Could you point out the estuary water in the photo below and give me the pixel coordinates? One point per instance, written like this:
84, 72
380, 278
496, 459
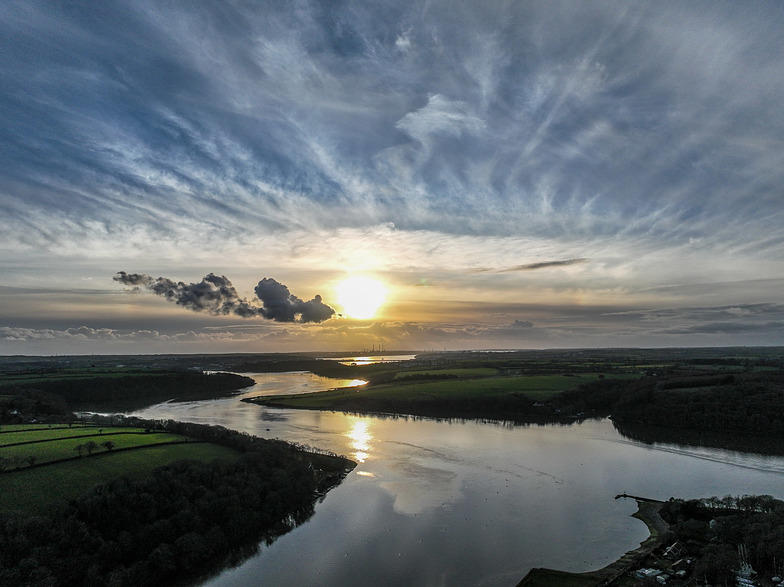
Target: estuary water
463, 502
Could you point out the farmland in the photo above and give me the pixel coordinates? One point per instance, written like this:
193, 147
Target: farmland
462, 392
536, 386
146, 502
72, 374
42, 464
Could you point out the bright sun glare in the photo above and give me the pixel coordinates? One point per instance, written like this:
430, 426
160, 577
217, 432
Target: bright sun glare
360, 296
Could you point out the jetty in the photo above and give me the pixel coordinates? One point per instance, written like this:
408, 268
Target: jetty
637, 498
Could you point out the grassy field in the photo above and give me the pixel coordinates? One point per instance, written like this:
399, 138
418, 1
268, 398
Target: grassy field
30, 489
457, 372
71, 374
11, 428
535, 387
65, 448
12, 433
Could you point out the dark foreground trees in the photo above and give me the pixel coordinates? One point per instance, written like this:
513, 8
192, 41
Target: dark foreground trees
713, 529
178, 522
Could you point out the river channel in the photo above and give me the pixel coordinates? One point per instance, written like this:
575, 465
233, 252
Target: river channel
465, 503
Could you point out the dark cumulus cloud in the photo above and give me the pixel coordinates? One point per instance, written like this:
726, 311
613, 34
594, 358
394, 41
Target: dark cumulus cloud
216, 295
283, 306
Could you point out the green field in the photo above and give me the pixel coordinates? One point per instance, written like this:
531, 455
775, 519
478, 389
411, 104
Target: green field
12, 433
72, 374
535, 387
30, 490
11, 428
136, 452
65, 448
458, 372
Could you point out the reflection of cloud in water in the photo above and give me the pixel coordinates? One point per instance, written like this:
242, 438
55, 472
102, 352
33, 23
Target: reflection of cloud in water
422, 449
272, 416
470, 462
527, 470
419, 487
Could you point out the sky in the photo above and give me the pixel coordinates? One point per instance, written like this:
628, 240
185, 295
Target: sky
196, 176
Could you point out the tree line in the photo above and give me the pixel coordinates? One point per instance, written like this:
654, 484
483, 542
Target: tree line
125, 392
747, 402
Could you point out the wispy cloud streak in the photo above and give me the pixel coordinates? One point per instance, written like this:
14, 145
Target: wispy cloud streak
543, 265
274, 117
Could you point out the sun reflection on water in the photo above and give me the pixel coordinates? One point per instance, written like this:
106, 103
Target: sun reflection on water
360, 440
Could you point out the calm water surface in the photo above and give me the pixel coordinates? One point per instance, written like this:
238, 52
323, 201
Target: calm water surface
372, 359
465, 503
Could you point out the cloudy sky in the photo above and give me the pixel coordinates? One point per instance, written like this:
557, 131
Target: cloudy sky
516, 174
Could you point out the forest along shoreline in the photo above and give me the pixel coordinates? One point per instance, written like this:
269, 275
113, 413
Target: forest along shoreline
216, 495
43, 391
713, 397
735, 391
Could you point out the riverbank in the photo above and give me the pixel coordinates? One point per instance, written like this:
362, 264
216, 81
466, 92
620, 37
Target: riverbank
446, 393
648, 513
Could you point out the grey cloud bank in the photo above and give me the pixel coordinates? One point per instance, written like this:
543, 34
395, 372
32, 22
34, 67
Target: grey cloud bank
584, 327
217, 295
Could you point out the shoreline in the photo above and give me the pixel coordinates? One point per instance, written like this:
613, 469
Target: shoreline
430, 414
648, 513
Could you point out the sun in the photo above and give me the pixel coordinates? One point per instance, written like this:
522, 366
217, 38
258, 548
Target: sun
361, 296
